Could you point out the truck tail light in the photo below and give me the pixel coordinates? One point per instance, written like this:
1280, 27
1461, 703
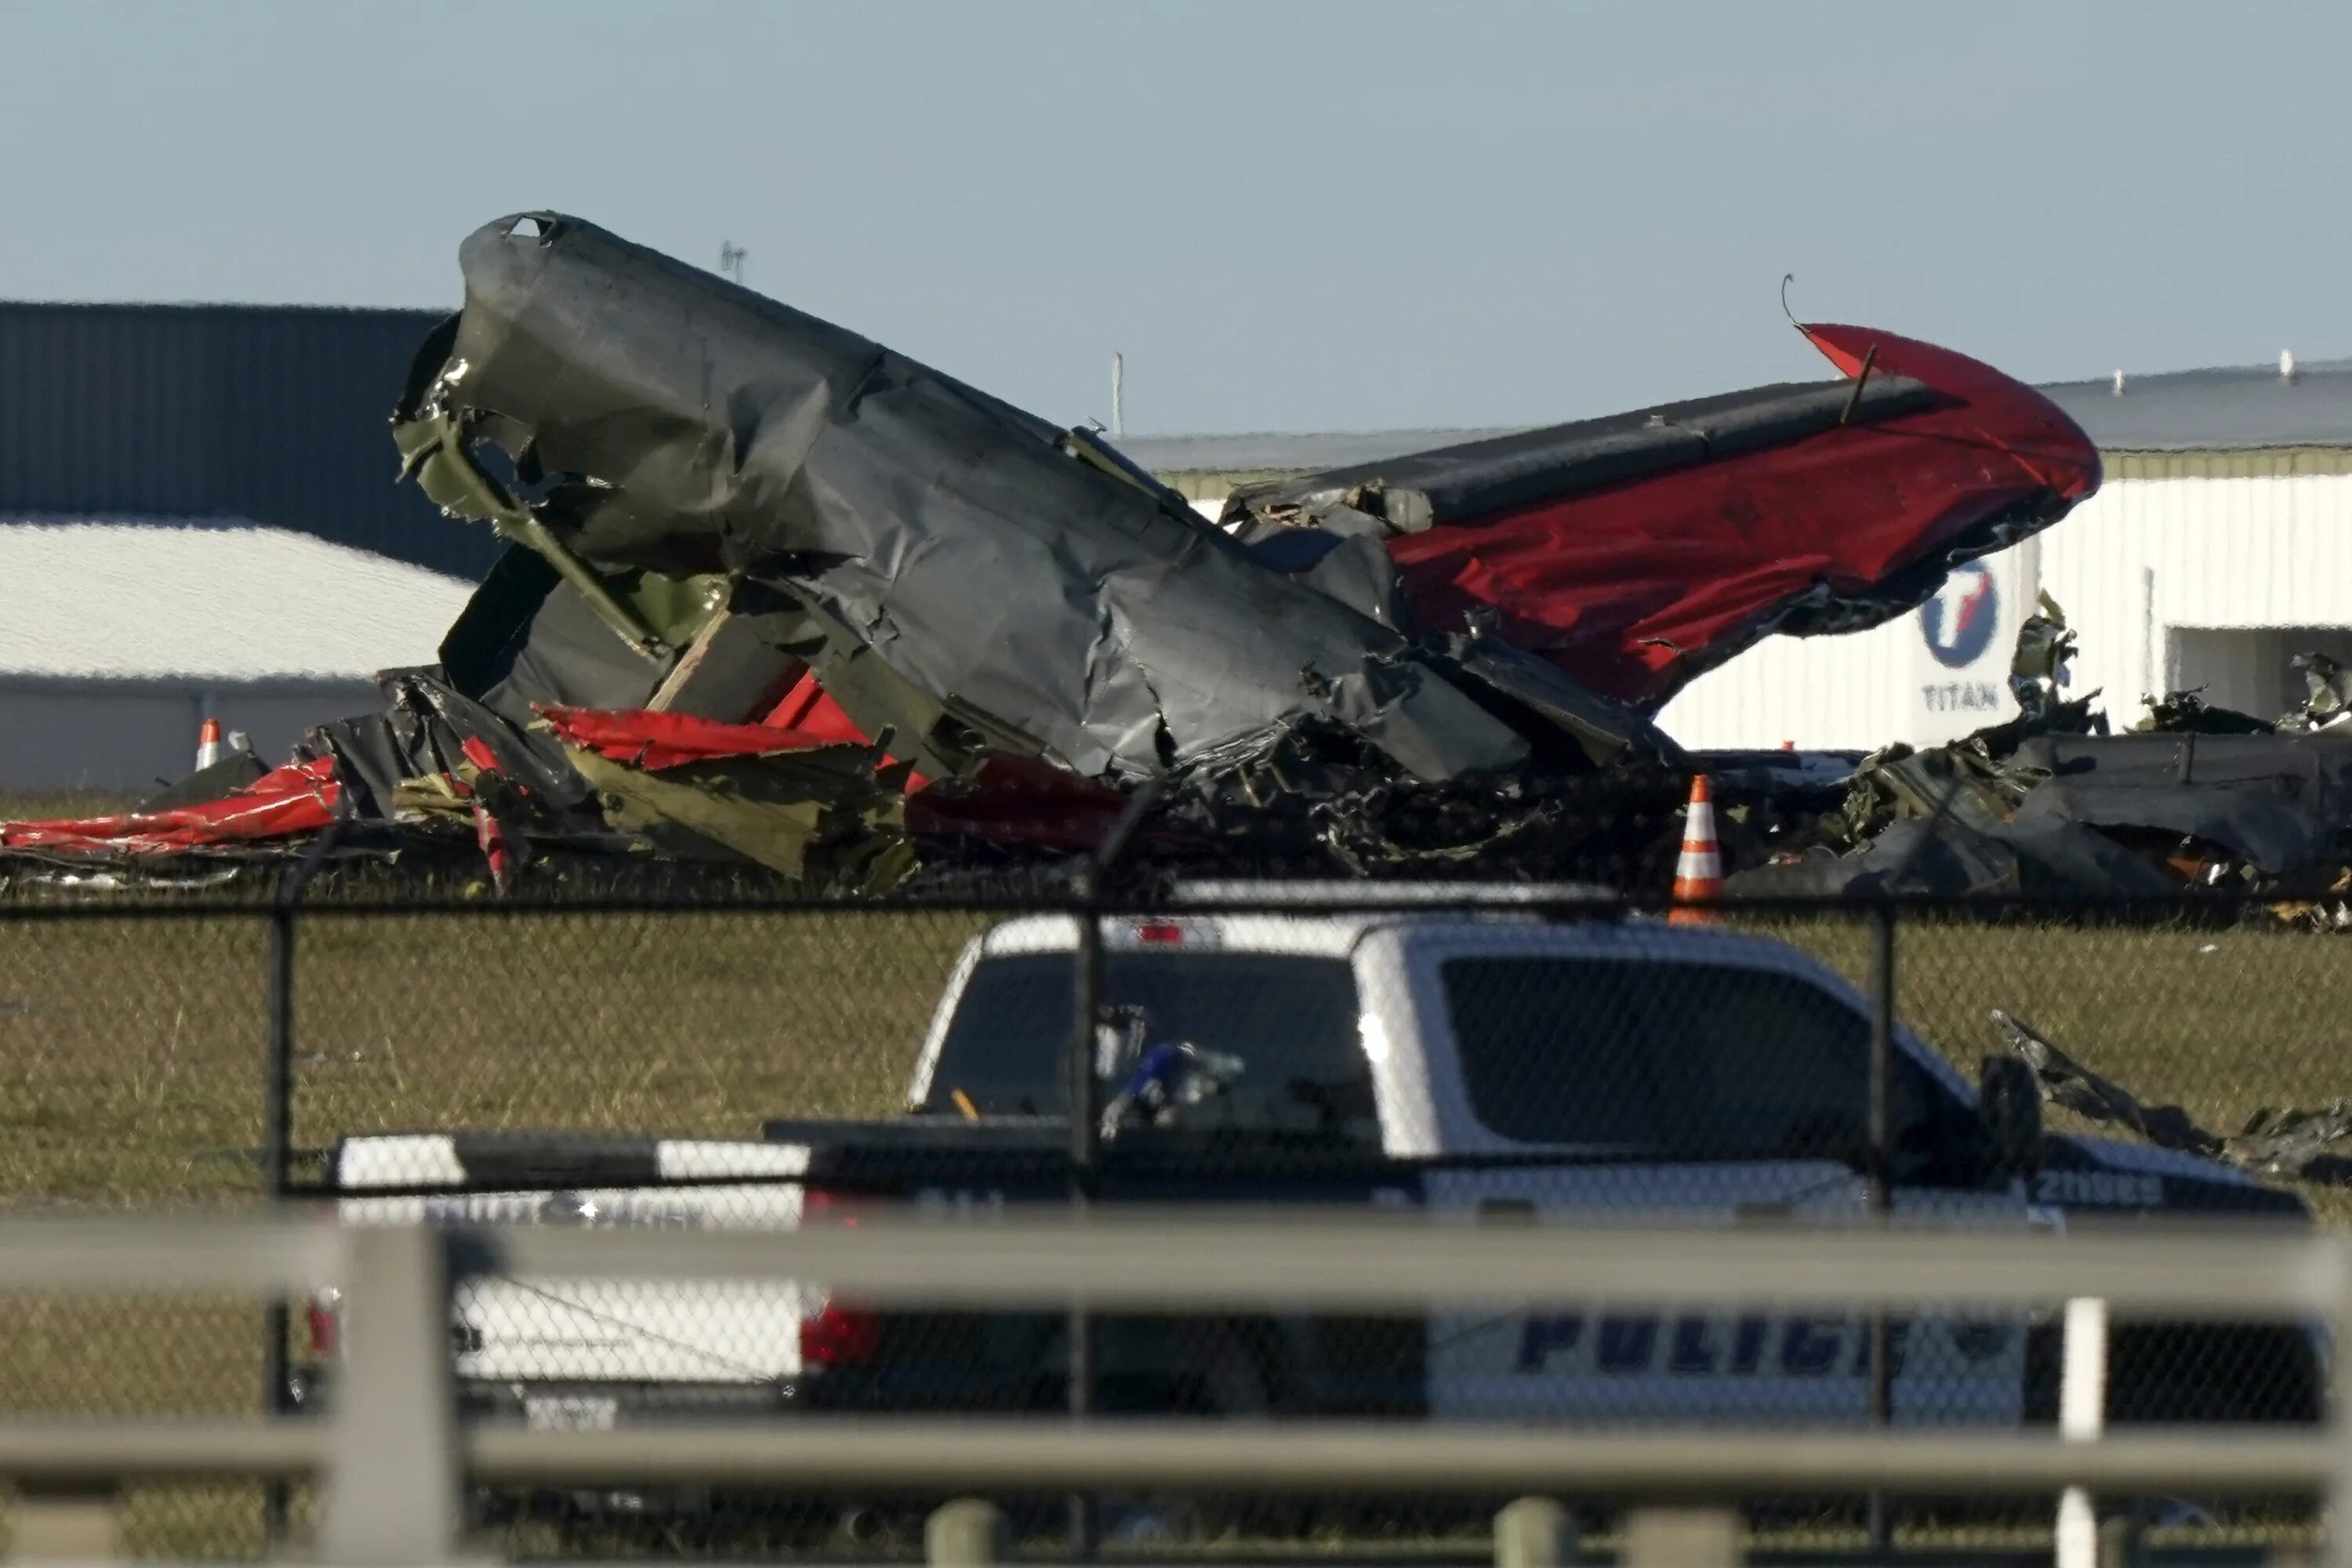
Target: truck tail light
819, 1207
322, 1315
835, 1335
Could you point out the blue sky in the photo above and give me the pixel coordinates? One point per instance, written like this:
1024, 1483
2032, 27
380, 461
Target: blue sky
1347, 216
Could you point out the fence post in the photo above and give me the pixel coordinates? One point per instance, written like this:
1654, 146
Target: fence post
1882, 1186
1086, 880
276, 1323
278, 1129
1535, 1532
1681, 1538
1085, 1152
2081, 1417
65, 1524
966, 1534
2338, 1550
393, 1475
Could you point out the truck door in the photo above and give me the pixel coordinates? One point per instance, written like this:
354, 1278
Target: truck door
1693, 1092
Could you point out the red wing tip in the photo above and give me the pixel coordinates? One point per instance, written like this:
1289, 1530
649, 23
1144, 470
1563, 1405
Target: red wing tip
1834, 342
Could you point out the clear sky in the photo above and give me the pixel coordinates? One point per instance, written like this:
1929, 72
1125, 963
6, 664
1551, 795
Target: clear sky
1348, 215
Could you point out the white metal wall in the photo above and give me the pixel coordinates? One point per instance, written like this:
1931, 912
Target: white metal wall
2145, 571
117, 738
2144, 557
1861, 691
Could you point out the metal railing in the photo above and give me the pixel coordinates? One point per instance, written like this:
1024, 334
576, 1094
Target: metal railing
395, 1460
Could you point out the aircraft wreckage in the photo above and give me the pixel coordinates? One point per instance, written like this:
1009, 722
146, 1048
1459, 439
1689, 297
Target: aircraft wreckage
776, 595
2052, 802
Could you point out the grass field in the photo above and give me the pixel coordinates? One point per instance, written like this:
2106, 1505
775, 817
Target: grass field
135, 1058
136, 1045
135, 1070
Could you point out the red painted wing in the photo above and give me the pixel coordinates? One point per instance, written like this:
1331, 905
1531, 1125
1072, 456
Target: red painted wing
1636, 587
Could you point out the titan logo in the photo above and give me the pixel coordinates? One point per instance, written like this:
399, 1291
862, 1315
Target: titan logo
1958, 623
1960, 697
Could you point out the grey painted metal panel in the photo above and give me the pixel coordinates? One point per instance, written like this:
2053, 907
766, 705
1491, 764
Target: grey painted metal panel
276, 413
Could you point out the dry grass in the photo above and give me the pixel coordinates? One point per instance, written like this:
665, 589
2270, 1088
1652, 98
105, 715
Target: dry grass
135, 1052
33, 805
2220, 1022
691, 1025
138, 1047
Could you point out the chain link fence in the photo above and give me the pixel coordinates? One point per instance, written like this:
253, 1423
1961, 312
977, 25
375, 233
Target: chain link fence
1495, 1055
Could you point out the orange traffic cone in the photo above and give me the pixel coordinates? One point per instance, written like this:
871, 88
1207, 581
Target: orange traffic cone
1699, 873
209, 749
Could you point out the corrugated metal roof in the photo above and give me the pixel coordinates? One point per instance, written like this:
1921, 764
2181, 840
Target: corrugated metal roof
276, 413
228, 600
2224, 410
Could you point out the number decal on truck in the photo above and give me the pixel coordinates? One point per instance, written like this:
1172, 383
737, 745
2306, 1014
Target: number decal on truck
2105, 1189
1620, 1344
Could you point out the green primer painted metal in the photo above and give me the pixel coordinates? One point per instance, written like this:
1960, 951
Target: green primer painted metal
823, 815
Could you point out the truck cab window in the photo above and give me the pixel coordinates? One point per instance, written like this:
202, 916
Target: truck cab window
1291, 1021
1707, 1061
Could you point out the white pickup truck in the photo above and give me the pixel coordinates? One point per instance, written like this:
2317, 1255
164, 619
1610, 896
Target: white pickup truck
1505, 1066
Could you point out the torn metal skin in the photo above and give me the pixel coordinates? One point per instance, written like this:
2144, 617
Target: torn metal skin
2329, 702
2328, 705
829, 817
1018, 592
2065, 1081
2051, 803
2297, 1143
2037, 671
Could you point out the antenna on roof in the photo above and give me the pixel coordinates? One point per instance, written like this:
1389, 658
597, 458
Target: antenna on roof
2286, 364
730, 261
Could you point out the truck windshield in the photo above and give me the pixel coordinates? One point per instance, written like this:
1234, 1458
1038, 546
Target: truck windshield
1291, 1021
1705, 1060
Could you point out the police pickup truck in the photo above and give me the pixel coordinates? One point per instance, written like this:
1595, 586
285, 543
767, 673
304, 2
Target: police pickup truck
1503, 1067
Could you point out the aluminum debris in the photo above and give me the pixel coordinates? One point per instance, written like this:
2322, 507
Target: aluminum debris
2296, 1142
2051, 802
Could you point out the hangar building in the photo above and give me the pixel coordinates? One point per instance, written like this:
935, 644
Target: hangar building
140, 630
198, 517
